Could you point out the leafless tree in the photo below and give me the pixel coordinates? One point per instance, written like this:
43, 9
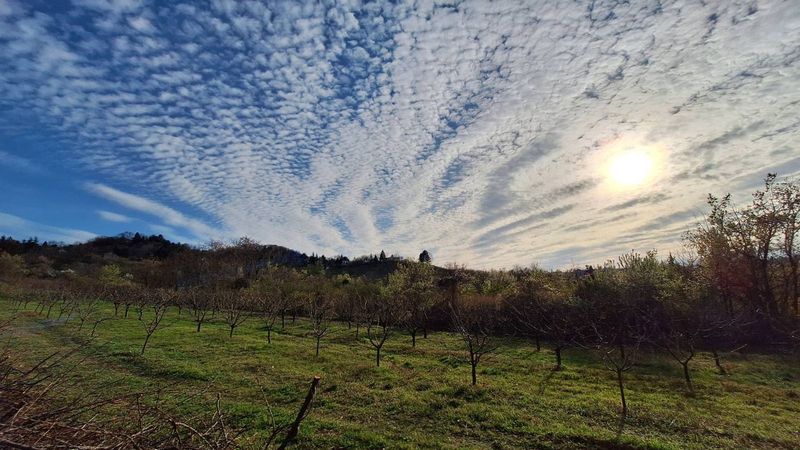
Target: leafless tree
234, 306
544, 306
381, 315
474, 318
87, 306
269, 301
199, 303
319, 303
66, 304
159, 304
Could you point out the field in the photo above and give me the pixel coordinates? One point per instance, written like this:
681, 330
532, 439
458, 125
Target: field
421, 397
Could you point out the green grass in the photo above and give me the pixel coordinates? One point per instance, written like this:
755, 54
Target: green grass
421, 397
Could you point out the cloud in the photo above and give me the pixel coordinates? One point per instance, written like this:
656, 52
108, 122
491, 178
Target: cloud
19, 164
15, 225
169, 215
408, 125
114, 217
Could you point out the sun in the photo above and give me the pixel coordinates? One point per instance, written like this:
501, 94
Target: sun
631, 167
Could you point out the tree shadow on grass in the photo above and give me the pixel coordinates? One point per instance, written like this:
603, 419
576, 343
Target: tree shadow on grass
545, 381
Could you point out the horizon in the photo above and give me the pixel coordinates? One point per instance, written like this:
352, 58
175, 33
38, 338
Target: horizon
491, 134
232, 243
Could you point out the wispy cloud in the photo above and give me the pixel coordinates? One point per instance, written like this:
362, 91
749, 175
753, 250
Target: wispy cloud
114, 217
15, 225
168, 215
19, 163
479, 129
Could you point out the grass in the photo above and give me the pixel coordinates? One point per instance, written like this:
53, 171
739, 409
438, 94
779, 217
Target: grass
421, 398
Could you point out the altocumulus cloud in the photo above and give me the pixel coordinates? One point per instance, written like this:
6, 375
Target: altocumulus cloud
475, 129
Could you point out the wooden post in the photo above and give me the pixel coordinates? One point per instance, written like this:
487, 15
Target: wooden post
295, 427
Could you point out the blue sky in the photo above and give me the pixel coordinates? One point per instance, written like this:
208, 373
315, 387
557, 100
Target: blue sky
481, 131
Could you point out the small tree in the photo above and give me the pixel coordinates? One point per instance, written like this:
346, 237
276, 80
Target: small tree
87, 306
381, 313
620, 306
234, 307
112, 281
199, 303
474, 318
319, 304
544, 306
269, 299
66, 303
412, 288
159, 303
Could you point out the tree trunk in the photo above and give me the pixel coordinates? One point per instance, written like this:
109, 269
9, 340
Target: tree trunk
721, 369
538, 344
425, 332
378, 356
126, 310
357, 326
147, 338
317, 354
231, 334
269, 335
295, 427
622, 393
794, 285
414, 339
474, 365
199, 322
558, 358
686, 376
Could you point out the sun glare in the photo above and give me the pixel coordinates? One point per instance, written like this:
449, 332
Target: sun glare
631, 167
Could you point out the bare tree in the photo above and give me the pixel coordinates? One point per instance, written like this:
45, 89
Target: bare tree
619, 304
87, 307
199, 303
66, 304
319, 304
234, 307
381, 314
160, 301
474, 318
544, 306
112, 279
269, 299
50, 298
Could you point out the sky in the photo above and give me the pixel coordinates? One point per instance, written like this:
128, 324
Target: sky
484, 132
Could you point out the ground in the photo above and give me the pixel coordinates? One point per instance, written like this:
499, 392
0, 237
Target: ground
421, 397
